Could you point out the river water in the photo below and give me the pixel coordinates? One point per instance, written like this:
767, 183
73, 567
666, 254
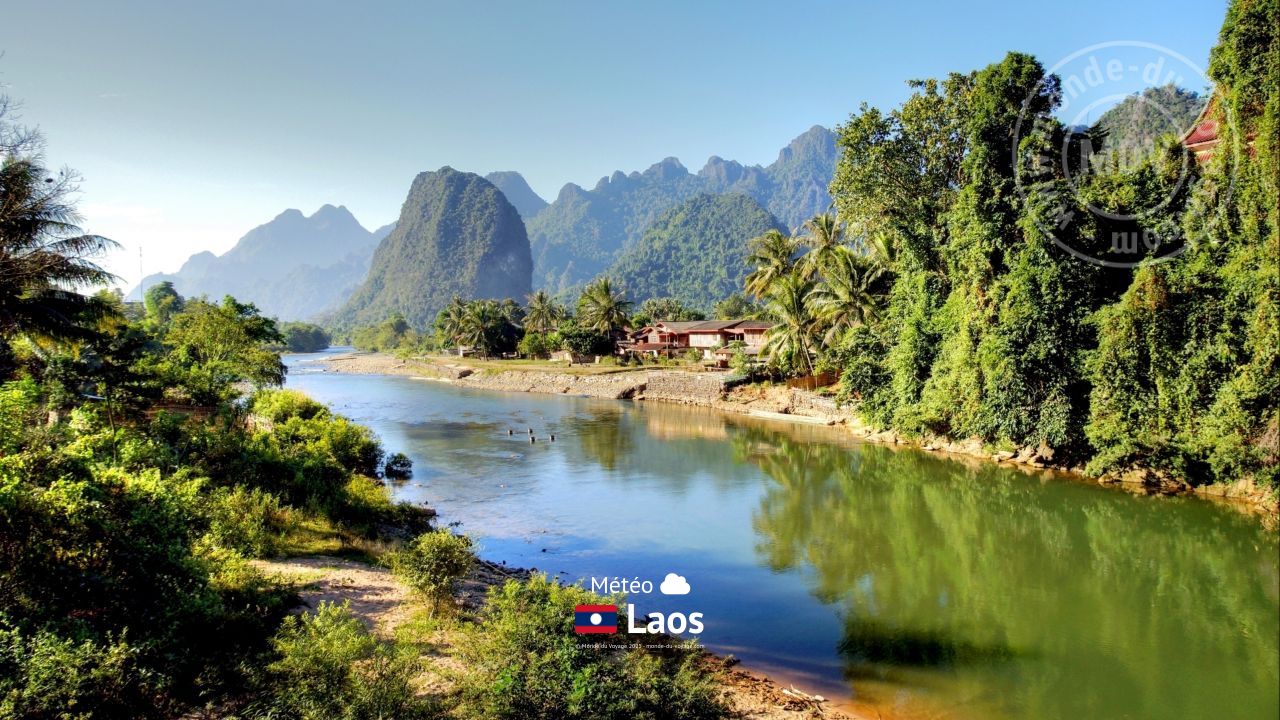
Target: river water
906, 584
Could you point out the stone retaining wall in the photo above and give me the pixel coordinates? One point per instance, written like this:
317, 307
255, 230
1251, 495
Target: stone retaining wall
689, 388
617, 386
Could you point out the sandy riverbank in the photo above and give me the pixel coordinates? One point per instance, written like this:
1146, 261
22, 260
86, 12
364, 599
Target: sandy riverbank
777, 402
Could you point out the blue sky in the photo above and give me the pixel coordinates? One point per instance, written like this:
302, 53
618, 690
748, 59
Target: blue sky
191, 123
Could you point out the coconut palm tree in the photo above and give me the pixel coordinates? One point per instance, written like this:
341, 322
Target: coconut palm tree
773, 255
846, 297
543, 313
449, 323
482, 324
602, 307
823, 235
45, 256
793, 331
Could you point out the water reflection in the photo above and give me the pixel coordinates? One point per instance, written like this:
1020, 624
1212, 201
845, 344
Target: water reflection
1066, 601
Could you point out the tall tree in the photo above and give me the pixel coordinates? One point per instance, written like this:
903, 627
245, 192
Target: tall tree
44, 255
543, 313
162, 302
847, 296
823, 236
773, 256
790, 342
602, 307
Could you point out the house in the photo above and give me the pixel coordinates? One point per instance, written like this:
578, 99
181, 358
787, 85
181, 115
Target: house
1202, 138
710, 337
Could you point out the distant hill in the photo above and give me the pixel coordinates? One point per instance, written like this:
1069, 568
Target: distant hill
583, 231
293, 267
457, 235
512, 184
1133, 125
695, 251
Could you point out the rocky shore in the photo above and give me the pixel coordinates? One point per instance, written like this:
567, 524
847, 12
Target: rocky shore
709, 389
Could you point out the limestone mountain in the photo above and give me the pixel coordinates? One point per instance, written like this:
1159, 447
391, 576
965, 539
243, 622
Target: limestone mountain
1133, 125
696, 251
512, 184
457, 235
293, 267
583, 231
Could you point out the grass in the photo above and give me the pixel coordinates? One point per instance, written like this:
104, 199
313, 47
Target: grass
319, 536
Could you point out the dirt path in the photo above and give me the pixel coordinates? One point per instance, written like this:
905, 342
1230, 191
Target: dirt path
383, 603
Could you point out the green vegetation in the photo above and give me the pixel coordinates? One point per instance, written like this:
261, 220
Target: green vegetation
956, 315
330, 666
457, 236
300, 337
693, 252
433, 563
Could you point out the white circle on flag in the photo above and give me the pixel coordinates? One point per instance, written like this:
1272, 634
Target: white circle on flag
596, 618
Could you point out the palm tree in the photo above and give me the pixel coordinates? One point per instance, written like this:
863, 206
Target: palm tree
481, 325
823, 234
543, 313
793, 330
450, 320
602, 307
846, 297
45, 256
773, 255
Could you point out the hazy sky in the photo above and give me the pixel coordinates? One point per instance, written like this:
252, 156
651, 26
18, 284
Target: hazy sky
193, 122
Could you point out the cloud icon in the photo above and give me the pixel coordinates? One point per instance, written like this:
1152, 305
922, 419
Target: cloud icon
674, 584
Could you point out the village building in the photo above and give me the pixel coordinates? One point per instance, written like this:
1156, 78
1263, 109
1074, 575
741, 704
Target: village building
712, 338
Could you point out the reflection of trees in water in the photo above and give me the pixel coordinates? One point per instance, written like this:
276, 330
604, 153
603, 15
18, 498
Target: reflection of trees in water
1102, 602
667, 444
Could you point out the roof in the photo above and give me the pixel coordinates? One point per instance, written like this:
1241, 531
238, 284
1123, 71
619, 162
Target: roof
712, 326
1202, 138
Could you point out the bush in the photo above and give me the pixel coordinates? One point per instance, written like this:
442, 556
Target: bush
44, 675
434, 562
398, 466
536, 345
280, 405
250, 521
526, 662
330, 667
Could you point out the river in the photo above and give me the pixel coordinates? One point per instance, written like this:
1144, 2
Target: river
907, 584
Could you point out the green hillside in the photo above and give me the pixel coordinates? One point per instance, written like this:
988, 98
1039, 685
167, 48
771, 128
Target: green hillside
695, 252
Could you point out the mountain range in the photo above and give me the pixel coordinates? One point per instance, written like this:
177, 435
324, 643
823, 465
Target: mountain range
303, 267
294, 266
583, 231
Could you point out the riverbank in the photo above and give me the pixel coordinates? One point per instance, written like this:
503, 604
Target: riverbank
390, 610
707, 389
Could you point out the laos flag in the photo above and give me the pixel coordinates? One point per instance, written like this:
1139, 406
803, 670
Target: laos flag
595, 619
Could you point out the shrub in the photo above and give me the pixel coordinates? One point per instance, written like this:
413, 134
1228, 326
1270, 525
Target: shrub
526, 662
250, 521
330, 667
398, 466
433, 562
280, 405
44, 675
